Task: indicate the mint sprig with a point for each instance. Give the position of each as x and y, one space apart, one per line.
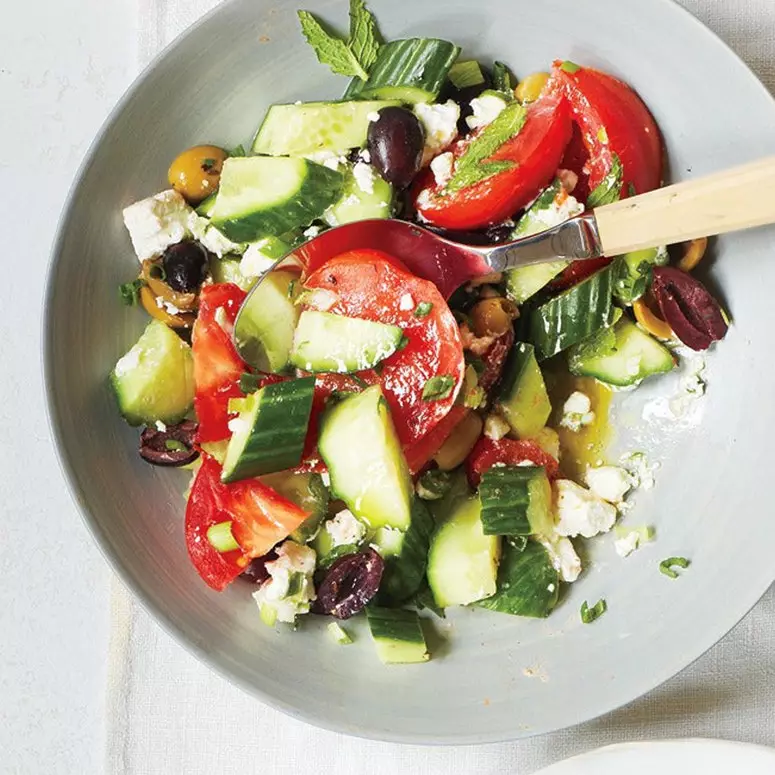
351 57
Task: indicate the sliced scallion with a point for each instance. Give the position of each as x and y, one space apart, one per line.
666 566
438 388
221 538
588 615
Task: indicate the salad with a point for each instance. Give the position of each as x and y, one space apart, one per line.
360 444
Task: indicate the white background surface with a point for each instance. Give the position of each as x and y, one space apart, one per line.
62 66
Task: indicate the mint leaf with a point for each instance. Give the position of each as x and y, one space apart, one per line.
364 38
501 78
330 50
438 388
473 167
609 190
130 292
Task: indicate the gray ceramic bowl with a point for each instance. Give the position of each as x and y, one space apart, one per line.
492 677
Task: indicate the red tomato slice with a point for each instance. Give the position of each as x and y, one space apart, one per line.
202 512
536 151
217 366
367 284
419 454
510 452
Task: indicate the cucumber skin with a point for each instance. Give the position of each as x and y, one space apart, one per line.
528 584
280 447
411 70
506 496
522 396
397 635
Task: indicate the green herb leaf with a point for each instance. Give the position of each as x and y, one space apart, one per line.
130 292
631 190
208 164
588 615
472 167
364 38
666 566
423 309
466 74
329 49
403 342
238 150
517 542
434 484
609 190
570 67
438 388
475 361
501 78
249 383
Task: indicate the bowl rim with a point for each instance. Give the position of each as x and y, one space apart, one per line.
118 567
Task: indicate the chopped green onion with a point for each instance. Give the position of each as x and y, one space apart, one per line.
207 164
423 309
434 484
249 383
438 388
465 74
404 341
501 78
173 445
588 615
339 635
666 566
221 538
570 67
158 273
130 292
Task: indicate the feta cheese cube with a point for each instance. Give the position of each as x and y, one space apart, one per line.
295 563
254 262
406 302
627 544
580 512
611 483
495 427
486 109
211 238
576 412
364 177
157 222
345 528
440 124
563 557
441 167
641 472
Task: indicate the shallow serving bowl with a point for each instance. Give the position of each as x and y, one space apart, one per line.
492 677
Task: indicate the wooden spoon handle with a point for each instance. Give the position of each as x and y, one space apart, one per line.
738 198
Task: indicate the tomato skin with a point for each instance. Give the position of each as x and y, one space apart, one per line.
510 452
495 359
578 271
419 454
537 151
217 366
368 284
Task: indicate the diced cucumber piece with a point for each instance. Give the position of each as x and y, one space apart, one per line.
205 207
463 561
311 127
411 70
266 323
574 315
367 467
270 430
308 492
356 204
516 501
339 635
624 359
526 281
443 507
262 195
334 343
466 74
227 270
155 379
522 396
397 635
528 584
633 273
405 568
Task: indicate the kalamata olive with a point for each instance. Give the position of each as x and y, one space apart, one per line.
185 266
688 308
173 446
395 141
256 571
349 584
489 236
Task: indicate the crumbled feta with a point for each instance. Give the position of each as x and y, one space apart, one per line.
161 427
328 159
406 302
563 557
365 155
486 109
128 362
423 200
167 306
627 544
312 231
290 588
581 512
611 483
364 177
690 388
440 124
373 116
495 427
441 166
157 222
345 529
555 214
239 425
209 237
254 261
576 413
325 477
641 473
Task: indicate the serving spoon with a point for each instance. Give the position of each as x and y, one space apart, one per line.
726 201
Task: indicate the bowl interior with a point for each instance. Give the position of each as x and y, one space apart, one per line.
493 677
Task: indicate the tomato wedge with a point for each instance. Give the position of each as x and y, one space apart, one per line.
509 452
536 152
368 284
217 366
419 454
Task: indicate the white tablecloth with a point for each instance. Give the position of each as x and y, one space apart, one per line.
166 713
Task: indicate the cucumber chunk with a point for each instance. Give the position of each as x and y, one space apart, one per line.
522 397
267 321
622 356
466 74
262 195
463 561
312 127
155 379
411 70
516 501
367 467
333 343
397 635
270 430
356 204
528 584
308 492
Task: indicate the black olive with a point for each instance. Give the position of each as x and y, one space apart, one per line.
185 266
171 447
350 583
256 571
395 141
